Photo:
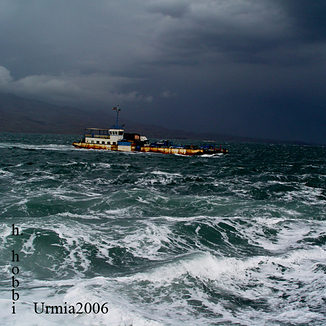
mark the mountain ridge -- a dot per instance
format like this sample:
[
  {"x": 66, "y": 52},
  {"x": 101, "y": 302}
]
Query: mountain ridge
[{"x": 24, "y": 115}]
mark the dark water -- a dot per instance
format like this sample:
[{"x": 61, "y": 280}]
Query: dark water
[{"x": 155, "y": 239}]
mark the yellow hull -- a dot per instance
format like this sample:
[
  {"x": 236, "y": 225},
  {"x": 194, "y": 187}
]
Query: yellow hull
[{"x": 163, "y": 150}]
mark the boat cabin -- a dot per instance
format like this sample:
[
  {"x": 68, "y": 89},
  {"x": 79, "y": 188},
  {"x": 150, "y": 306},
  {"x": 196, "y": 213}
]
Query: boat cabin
[{"x": 103, "y": 136}]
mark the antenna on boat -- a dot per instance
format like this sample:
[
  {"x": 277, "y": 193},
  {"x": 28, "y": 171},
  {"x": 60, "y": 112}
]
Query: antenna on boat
[{"x": 118, "y": 110}]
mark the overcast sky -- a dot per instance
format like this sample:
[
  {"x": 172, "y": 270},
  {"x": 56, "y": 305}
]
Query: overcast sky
[{"x": 240, "y": 67}]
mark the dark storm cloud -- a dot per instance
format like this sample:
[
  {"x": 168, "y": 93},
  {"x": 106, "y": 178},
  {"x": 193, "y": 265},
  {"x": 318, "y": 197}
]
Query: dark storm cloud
[
  {"x": 235, "y": 31},
  {"x": 174, "y": 9},
  {"x": 249, "y": 67},
  {"x": 309, "y": 18}
]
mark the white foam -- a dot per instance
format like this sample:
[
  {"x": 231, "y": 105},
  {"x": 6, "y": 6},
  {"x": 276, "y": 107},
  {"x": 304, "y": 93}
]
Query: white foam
[
  {"x": 105, "y": 165},
  {"x": 5, "y": 174},
  {"x": 307, "y": 195},
  {"x": 69, "y": 293},
  {"x": 28, "y": 246},
  {"x": 264, "y": 279},
  {"x": 216, "y": 155},
  {"x": 50, "y": 147},
  {"x": 5, "y": 231},
  {"x": 146, "y": 244},
  {"x": 75, "y": 215},
  {"x": 202, "y": 265},
  {"x": 163, "y": 294}
]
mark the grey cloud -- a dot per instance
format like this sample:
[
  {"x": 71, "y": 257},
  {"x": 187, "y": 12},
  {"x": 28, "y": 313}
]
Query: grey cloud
[
  {"x": 246, "y": 31},
  {"x": 72, "y": 89},
  {"x": 171, "y": 8},
  {"x": 308, "y": 18},
  {"x": 238, "y": 61}
]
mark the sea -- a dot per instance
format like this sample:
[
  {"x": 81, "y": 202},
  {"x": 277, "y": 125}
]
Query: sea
[{"x": 93, "y": 237}]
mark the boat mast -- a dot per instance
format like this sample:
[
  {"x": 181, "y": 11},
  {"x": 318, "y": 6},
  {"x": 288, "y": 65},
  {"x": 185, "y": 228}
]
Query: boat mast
[{"x": 118, "y": 110}]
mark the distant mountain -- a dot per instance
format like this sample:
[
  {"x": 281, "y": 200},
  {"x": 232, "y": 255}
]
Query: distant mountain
[
  {"x": 18, "y": 114},
  {"x": 22, "y": 115}
]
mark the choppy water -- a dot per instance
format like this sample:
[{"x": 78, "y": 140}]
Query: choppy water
[{"x": 161, "y": 239}]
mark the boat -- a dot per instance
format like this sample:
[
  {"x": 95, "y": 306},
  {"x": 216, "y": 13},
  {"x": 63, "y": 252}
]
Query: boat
[{"x": 116, "y": 139}]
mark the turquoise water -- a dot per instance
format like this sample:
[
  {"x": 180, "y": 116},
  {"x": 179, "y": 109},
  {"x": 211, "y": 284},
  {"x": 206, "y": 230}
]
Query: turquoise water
[{"x": 153, "y": 239}]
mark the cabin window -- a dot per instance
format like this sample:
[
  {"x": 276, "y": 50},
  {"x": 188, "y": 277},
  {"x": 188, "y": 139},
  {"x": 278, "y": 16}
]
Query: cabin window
[
  {"x": 103, "y": 142},
  {"x": 97, "y": 142}
]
